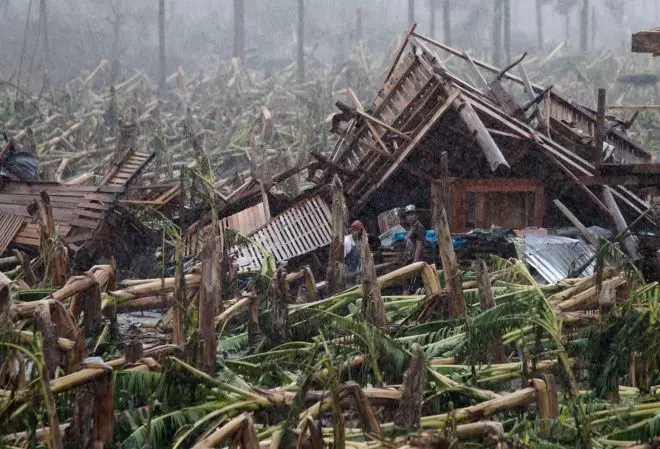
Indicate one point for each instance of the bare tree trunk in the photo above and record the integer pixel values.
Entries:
(567, 27)
(358, 24)
(447, 22)
(43, 17)
(161, 46)
(593, 27)
(539, 24)
(301, 41)
(432, 19)
(507, 30)
(411, 11)
(497, 32)
(239, 29)
(114, 73)
(584, 26)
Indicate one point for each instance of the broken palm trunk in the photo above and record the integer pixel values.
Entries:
(447, 254)
(336, 268)
(209, 295)
(53, 252)
(409, 414)
(494, 349)
(373, 308)
(278, 291)
(51, 353)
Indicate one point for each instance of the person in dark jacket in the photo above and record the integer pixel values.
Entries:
(414, 243)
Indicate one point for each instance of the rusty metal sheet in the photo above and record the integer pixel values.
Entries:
(9, 226)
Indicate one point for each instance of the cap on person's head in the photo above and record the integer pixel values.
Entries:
(409, 209)
(357, 225)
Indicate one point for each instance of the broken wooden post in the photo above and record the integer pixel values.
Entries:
(279, 308)
(409, 414)
(599, 132)
(373, 308)
(336, 268)
(208, 297)
(494, 349)
(446, 248)
(629, 243)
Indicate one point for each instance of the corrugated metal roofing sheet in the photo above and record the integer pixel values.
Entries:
(553, 256)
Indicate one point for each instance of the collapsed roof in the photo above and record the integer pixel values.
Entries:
(424, 108)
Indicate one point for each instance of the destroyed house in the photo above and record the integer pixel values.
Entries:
(506, 158)
(84, 215)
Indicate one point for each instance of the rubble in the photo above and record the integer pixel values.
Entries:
(249, 349)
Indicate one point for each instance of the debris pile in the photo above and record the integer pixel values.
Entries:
(498, 325)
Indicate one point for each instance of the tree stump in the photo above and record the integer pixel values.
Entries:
(279, 308)
(409, 414)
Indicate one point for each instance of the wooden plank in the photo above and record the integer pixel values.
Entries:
(88, 213)
(20, 240)
(85, 223)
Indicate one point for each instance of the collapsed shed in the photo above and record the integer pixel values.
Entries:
(87, 216)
